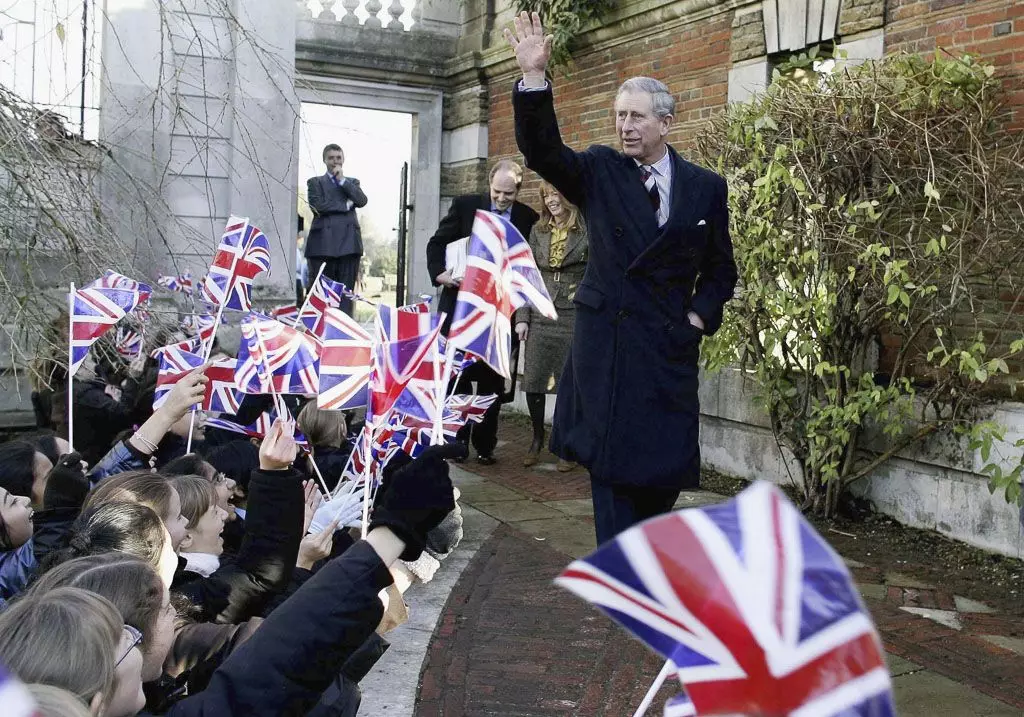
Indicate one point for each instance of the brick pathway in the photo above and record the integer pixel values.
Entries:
(511, 643)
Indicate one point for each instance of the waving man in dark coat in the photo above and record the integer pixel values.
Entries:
(660, 270)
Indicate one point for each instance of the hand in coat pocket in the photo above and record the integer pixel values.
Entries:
(522, 330)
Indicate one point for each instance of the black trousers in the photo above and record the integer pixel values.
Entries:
(337, 268)
(483, 435)
(617, 507)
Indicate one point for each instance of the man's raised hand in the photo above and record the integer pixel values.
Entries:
(532, 48)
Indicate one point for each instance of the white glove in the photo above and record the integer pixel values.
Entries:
(346, 507)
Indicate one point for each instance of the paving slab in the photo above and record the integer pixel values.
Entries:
(928, 694)
(487, 492)
(514, 511)
(948, 618)
(967, 605)
(566, 535)
(899, 666)
(898, 579)
(578, 507)
(1014, 644)
(697, 499)
(872, 591)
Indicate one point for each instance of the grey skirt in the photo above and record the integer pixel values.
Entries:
(547, 347)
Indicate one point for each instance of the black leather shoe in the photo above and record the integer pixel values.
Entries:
(487, 460)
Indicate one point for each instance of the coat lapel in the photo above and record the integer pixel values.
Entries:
(575, 241)
(637, 205)
(687, 195)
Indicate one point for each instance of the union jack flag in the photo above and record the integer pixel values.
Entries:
(113, 280)
(96, 308)
(257, 429)
(756, 611)
(174, 365)
(405, 340)
(243, 254)
(288, 314)
(349, 293)
(323, 294)
(501, 276)
(357, 460)
(679, 706)
(199, 324)
(222, 395)
(344, 362)
(128, 342)
(291, 363)
(412, 434)
(181, 284)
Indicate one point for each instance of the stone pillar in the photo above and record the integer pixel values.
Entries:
(464, 143)
(197, 104)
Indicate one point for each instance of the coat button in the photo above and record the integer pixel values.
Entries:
(618, 231)
(623, 314)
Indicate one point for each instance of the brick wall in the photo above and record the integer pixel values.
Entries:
(693, 61)
(991, 29)
(994, 31)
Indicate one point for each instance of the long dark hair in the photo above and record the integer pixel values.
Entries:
(17, 473)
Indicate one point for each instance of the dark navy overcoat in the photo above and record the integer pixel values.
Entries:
(627, 407)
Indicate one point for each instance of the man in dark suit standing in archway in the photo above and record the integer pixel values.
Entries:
(334, 240)
(659, 273)
(505, 180)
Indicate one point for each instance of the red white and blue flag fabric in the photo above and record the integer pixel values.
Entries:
(243, 254)
(179, 284)
(222, 395)
(756, 611)
(679, 706)
(288, 314)
(402, 358)
(175, 364)
(257, 429)
(412, 434)
(97, 307)
(501, 276)
(128, 341)
(290, 365)
(345, 353)
(323, 294)
(113, 280)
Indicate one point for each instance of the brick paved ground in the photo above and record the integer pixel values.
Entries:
(511, 643)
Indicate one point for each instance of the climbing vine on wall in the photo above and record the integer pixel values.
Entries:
(565, 19)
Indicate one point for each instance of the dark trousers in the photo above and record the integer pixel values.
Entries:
(483, 435)
(337, 268)
(617, 507)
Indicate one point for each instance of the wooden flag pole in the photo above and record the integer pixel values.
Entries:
(658, 682)
(71, 334)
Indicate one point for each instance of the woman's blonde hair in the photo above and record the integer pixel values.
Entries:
(322, 428)
(546, 220)
(197, 495)
(67, 638)
(149, 489)
(54, 702)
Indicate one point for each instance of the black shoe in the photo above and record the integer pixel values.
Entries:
(488, 460)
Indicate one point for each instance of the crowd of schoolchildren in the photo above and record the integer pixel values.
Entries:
(136, 578)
